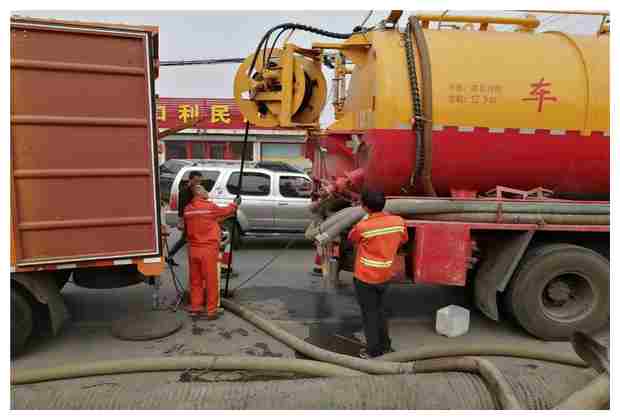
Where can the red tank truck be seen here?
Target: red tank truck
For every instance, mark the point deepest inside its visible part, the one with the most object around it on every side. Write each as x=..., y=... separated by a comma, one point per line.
x=494, y=145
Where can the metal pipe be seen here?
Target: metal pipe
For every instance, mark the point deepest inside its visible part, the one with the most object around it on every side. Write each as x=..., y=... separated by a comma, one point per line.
x=525, y=22
x=519, y=218
x=235, y=224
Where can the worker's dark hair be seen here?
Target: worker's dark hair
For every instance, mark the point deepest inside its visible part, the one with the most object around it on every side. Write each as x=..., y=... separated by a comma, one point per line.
x=373, y=200
x=193, y=174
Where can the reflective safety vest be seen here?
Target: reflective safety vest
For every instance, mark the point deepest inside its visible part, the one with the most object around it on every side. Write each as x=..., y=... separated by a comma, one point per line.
x=202, y=219
x=377, y=239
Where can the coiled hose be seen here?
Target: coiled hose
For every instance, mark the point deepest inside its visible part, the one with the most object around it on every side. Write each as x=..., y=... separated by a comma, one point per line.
x=284, y=26
x=492, y=376
x=425, y=391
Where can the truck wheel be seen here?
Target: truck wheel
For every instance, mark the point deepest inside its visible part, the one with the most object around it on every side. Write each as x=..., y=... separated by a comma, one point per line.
x=236, y=240
x=559, y=289
x=22, y=321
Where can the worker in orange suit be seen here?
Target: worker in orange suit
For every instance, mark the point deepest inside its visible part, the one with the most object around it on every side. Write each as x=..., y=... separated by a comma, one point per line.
x=202, y=218
x=377, y=239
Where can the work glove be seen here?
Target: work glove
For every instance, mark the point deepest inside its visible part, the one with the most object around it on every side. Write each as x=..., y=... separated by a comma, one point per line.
x=237, y=201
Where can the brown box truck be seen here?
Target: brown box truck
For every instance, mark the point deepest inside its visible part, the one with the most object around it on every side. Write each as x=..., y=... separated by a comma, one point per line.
x=84, y=190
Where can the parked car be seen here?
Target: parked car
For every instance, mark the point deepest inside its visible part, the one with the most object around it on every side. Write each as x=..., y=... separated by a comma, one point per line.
x=167, y=173
x=170, y=168
x=274, y=201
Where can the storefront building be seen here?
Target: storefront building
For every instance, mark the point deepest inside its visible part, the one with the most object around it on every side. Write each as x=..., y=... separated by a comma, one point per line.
x=220, y=131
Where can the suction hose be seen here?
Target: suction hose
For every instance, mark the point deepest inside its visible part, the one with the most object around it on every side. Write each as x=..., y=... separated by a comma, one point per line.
x=475, y=349
x=470, y=210
x=492, y=376
x=317, y=353
x=509, y=393
x=594, y=396
x=424, y=391
x=353, y=213
x=158, y=364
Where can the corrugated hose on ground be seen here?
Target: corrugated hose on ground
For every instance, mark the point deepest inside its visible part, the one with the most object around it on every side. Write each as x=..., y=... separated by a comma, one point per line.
x=352, y=389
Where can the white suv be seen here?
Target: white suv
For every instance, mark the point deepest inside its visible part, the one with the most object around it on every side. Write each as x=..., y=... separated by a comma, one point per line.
x=275, y=200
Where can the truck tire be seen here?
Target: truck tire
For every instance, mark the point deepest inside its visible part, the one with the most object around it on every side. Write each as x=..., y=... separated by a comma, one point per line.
x=559, y=289
x=22, y=322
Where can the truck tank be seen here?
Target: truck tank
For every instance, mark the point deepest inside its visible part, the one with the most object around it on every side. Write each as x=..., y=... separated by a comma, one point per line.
x=513, y=108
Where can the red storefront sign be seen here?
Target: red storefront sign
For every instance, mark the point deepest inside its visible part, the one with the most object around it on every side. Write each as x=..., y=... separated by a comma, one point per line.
x=214, y=113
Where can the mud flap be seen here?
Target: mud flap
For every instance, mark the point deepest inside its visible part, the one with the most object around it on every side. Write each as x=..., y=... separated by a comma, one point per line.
x=497, y=269
x=44, y=289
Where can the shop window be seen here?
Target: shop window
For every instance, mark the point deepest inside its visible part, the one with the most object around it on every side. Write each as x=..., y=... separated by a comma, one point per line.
x=217, y=150
x=237, y=148
x=253, y=183
x=198, y=150
x=295, y=187
x=176, y=150
x=281, y=151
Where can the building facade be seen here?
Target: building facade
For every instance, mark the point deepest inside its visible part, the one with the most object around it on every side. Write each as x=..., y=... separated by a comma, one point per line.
x=220, y=132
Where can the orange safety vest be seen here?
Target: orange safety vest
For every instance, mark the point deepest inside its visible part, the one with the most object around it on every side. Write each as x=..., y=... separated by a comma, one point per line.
x=202, y=219
x=377, y=239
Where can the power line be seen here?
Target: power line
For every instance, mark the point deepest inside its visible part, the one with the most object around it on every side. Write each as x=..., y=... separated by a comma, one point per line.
x=198, y=62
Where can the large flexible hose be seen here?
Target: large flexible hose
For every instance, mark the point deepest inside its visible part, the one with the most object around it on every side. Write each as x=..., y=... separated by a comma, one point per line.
x=561, y=213
x=492, y=376
x=594, y=396
x=157, y=364
x=341, y=215
x=310, y=350
x=425, y=391
x=524, y=351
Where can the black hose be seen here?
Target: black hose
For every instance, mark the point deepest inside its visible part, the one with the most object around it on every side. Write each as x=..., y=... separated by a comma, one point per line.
x=298, y=26
x=416, y=103
x=273, y=45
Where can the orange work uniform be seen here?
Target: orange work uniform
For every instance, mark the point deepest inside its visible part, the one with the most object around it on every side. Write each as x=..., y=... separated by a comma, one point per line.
x=377, y=237
x=202, y=219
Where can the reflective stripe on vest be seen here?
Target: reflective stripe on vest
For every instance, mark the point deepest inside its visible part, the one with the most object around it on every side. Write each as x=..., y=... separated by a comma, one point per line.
x=375, y=263
x=382, y=231
x=192, y=212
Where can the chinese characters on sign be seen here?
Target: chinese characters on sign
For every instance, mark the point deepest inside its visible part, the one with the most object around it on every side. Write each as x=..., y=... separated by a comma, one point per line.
x=188, y=112
x=539, y=93
x=161, y=112
x=219, y=113
x=474, y=93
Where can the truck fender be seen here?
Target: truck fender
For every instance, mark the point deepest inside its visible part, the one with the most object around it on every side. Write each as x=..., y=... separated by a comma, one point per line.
x=43, y=287
x=497, y=269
